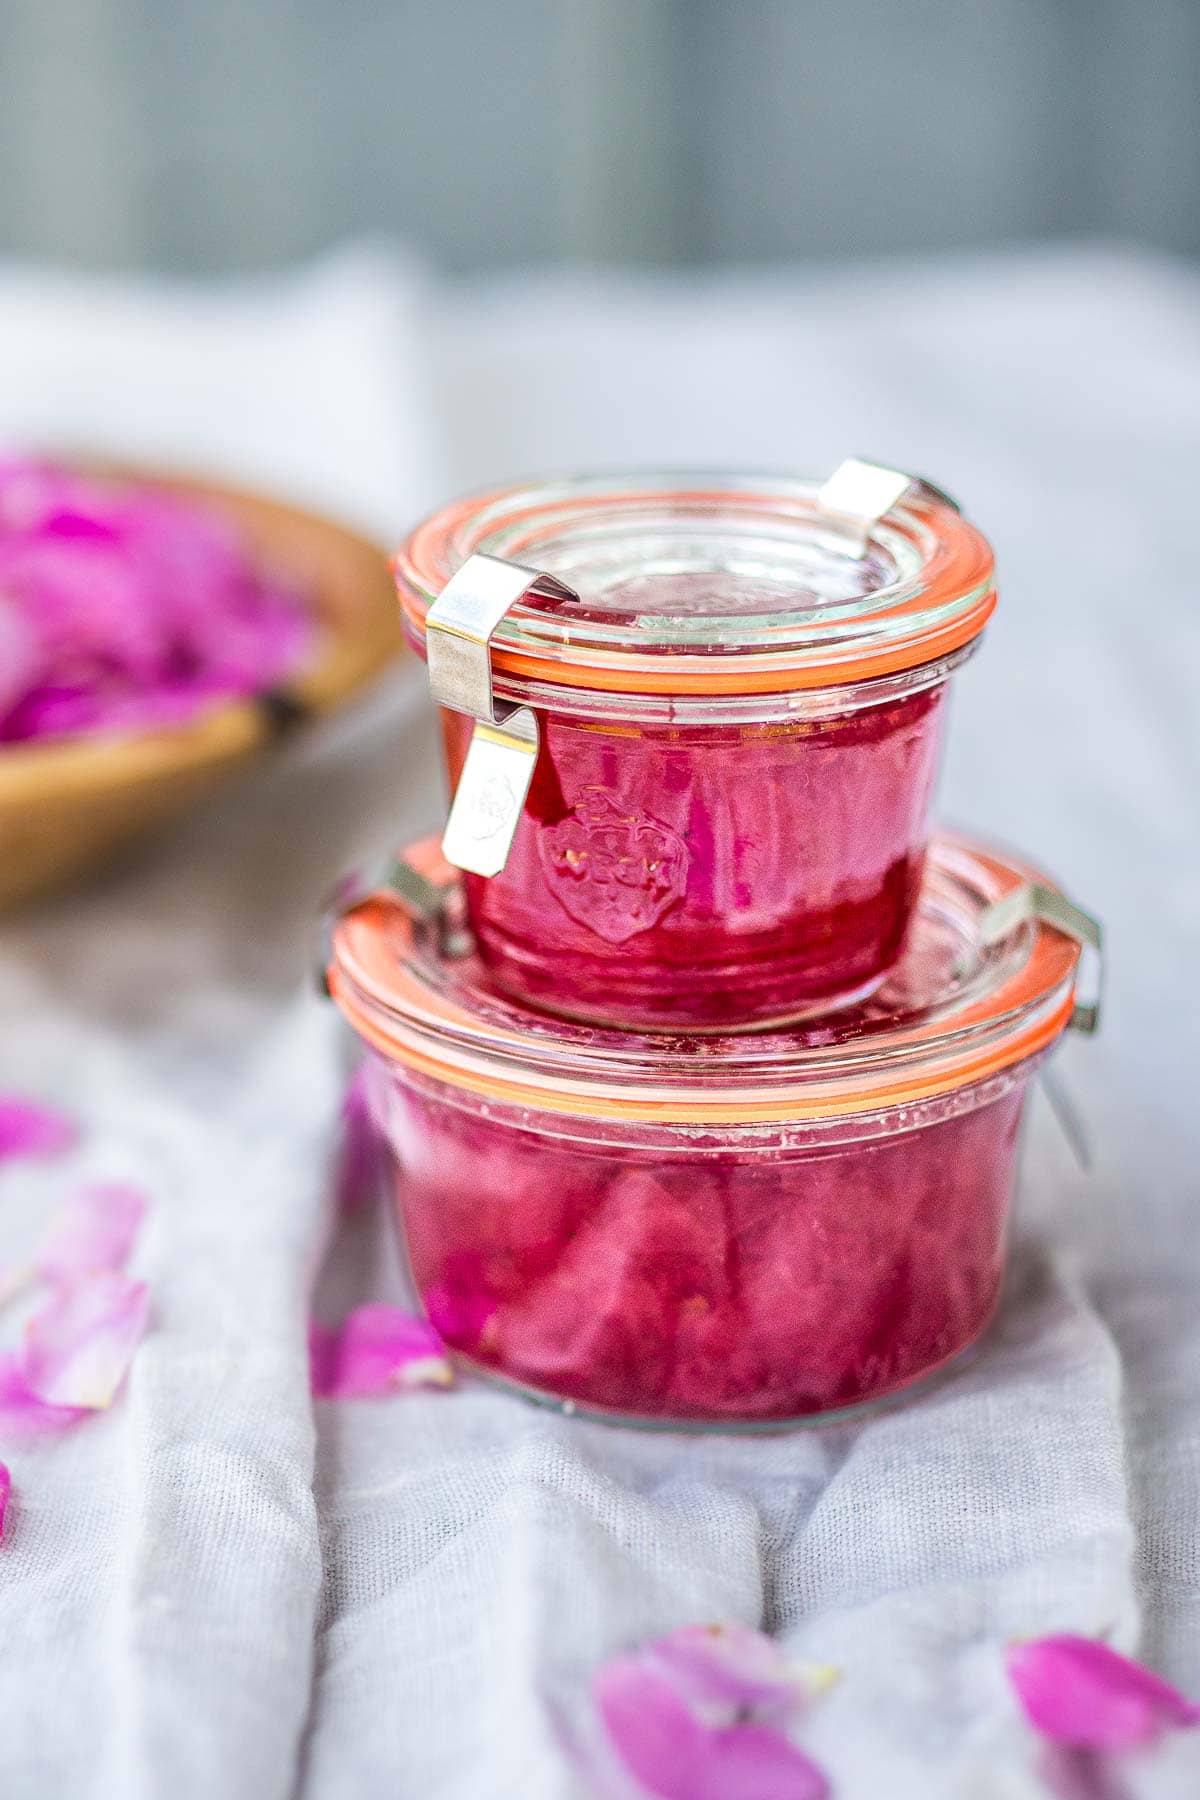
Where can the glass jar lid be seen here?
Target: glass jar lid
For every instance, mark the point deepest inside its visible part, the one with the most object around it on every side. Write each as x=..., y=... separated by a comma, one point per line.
x=711, y=584
x=987, y=980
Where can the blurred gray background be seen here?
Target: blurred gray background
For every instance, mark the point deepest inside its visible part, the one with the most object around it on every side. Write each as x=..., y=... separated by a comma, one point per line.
x=217, y=134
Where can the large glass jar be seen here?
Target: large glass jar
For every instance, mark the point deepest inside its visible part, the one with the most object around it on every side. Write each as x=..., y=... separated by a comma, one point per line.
x=737, y=1232
x=732, y=732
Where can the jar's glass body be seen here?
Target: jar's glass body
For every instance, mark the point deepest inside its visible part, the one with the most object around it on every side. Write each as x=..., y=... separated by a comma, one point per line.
x=730, y=1276
x=695, y=873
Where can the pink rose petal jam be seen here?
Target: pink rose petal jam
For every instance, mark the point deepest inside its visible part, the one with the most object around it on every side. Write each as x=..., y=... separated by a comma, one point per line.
x=702, y=1230
x=714, y=1283
x=739, y=718
x=710, y=876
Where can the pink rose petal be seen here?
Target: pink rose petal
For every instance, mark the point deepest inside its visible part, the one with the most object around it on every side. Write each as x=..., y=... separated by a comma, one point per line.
x=377, y=1350
x=29, y=1129
x=735, y=1667
x=5, y=1493
x=95, y=1229
x=697, y=1715
x=129, y=608
x=673, y=1755
x=20, y=663
x=21, y=1411
x=1081, y=1693
x=78, y=1349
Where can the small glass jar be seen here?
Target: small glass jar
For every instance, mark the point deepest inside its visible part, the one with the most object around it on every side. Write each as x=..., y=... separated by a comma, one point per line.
x=731, y=699
x=733, y=1232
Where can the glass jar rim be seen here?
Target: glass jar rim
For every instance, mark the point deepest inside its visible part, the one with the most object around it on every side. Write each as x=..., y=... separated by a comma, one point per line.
x=920, y=587
x=957, y=1010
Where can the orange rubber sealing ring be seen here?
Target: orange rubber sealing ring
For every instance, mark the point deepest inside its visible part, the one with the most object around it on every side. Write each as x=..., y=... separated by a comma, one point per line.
x=392, y=1008
x=961, y=568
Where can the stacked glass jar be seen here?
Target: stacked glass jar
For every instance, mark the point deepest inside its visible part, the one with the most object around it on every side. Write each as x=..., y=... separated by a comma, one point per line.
x=700, y=1063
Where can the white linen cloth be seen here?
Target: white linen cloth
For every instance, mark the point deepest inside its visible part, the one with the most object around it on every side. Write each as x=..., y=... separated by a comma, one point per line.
x=215, y=1589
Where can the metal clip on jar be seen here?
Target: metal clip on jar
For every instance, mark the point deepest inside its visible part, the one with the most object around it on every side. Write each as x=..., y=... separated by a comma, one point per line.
x=737, y=1232
x=693, y=728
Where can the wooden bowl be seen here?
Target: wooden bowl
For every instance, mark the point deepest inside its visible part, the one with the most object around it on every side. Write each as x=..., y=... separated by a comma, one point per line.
x=67, y=806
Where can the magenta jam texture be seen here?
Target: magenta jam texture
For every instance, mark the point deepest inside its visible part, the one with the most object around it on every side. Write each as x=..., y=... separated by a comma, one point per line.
x=700, y=1277
x=710, y=876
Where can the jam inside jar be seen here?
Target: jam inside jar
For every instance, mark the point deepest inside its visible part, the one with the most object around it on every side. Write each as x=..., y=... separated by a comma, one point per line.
x=710, y=876
x=733, y=1231
x=752, y=1278
x=738, y=712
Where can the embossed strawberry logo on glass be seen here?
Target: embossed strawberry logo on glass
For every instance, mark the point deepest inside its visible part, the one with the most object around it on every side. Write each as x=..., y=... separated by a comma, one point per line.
x=615, y=871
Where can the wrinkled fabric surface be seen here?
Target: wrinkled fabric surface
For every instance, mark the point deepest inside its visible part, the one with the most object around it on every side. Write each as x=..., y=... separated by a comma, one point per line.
x=218, y=1588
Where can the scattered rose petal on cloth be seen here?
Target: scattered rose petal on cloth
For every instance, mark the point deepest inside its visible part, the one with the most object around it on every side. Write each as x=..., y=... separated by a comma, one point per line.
x=29, y=1129
x=78, y=1348
x=5, y=1494
x=21, y=1411
x=95, y=1229
x=376, y=1350
x=674, y=1755
x=1081, y=1693
x=723, y=1666
x=697, y=1715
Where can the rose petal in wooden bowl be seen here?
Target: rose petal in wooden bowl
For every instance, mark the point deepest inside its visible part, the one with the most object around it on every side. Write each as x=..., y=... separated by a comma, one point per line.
x=67, y=805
